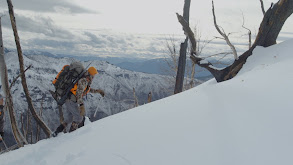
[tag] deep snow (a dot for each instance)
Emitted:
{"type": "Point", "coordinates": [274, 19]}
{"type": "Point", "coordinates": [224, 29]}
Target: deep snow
{"type": "Point", "coordinates": [243, 121]}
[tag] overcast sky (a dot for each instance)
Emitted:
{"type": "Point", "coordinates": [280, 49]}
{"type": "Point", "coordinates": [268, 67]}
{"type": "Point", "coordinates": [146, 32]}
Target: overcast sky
{"type": "Point", "coordinates": [132, 28]}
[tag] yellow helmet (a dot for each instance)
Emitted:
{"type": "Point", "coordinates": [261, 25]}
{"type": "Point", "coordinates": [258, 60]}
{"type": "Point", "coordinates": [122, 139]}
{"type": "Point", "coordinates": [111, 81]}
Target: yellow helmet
{"type": "Point", "coordinates": [92, 71]}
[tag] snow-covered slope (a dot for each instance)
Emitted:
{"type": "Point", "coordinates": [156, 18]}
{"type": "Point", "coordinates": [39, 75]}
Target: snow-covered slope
{"type": "Point", "coordinates": [117, 83]}
{"type": "Point", "coordinates": [243, 121]}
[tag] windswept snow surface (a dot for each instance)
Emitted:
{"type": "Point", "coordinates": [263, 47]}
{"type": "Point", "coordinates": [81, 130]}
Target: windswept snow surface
{"type": "Point", "coordinates": [244, 121]}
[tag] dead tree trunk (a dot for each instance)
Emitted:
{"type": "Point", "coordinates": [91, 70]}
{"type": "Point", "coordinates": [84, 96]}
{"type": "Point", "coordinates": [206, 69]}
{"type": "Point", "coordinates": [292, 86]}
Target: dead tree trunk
{"type": "Point", "coordinates": [45, 128]}
{"type": "Point", "coordinates": [182, 57]}
{"type": "Point", "coordinates": [20, 140]}
{"type": "Point", "coordinates": [181, 67]}
{"type": "Point", "coordinates": [269, 29]}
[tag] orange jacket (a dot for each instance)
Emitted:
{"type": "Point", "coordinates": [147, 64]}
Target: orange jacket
{"type": "Point", "coordinates": [86, 90]}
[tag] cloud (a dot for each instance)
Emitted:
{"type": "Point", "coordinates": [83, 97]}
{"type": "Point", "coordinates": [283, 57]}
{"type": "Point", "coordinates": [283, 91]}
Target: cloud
{"type": "Point", "coordinates": [94, 40]}
{"type": "Point", "coordinates": [50, 6]}
{"type": "Point", "coordinates": [39, 25]}
{"type": "Point", "coordinates": [50, 43]}
{"type": "Point", "coordinates": [106, 40]}
{"type": "Point", "coordinates": [103, 42]}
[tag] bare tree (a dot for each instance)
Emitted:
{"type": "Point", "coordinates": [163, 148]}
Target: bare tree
{"type": "Point", "coordinates": [197, 44]}
{"type": "Point", "coordinates": [15, 79]}
{"type": "Point", "coordinates": [269, 29]}
{"type": "Point", "coordinates": [18, 136]}
{"type": "Point", "coordinates": [173, 55]}
{"type": "Point", "coordinates": [45, 128]}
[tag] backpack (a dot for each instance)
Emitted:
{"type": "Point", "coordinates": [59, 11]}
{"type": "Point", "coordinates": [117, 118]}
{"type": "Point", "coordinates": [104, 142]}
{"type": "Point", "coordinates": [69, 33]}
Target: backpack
{"type": "Point", "coordinates": [66, 79]}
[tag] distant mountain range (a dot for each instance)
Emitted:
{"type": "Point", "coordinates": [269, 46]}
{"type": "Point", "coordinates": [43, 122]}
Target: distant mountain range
{"type": "Point", "coordinates": [152, 66]}
{"type": "Point", "coordinates": [117, 83]}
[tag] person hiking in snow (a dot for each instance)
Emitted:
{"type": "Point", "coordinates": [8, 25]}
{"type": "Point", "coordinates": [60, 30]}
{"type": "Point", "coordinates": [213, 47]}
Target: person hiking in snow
{"type": "Point", "coordinates": [75, 110]}
{"type": "Point", "coordinates": [1, 118]}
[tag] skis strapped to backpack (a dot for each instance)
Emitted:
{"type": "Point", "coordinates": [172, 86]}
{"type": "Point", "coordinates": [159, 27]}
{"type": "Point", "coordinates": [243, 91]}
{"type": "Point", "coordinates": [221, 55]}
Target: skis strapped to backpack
{"type": "Point", "coordinates": [65, 81]}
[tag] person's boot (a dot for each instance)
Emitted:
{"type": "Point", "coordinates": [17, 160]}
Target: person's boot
{"type": "Point", "coordinates": [59, 129]}
{"type": "Point", "coordinates": [74, 126]}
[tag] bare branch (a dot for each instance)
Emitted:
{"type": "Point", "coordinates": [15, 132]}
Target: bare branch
{"type": "Point", "coordinates": [172, 53]}
{"type": "Point", "coordinates": [218, 54]}
{"type": "Point", "coordinates": [220, 38]}
{"type": "Point", "coordinates": [231, 33]}
{"type": "Point", "coordinates": [223, 34]}
{"type": "Point", "coordinates": [205, 43]}
{"type": "Point", "coordinates": [262, 7]}
{"type": "Point", "coordinates": [207, 65]}
{"type": "Point", "coordinates": [14, 80]}
{"type": "Point", "coordinates": [249, 32]}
